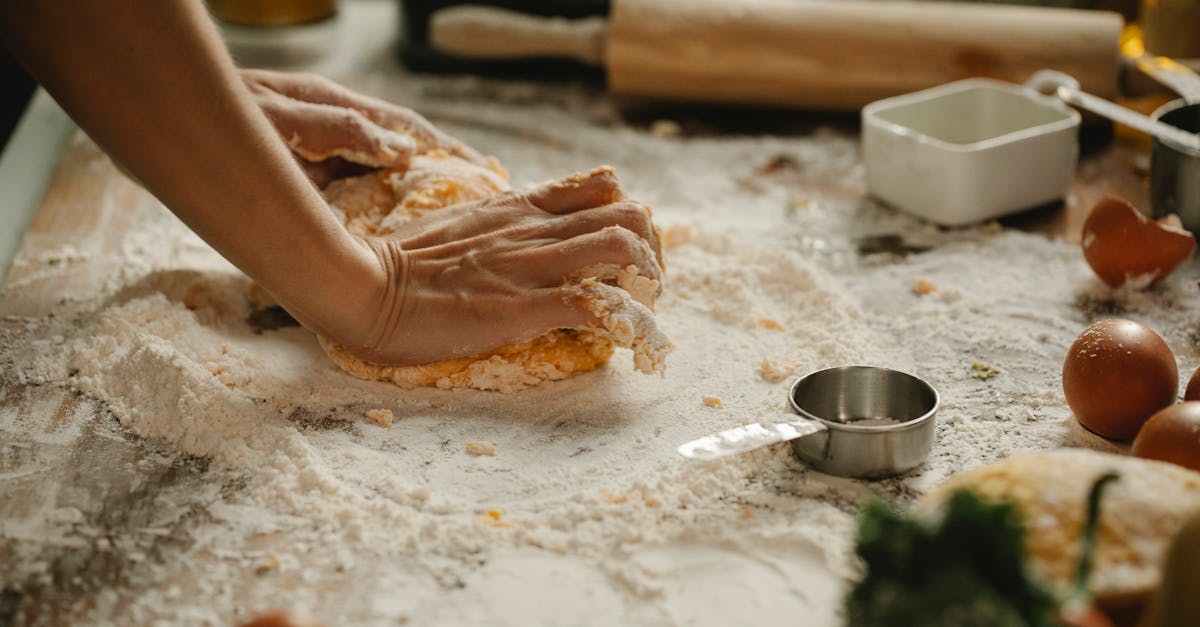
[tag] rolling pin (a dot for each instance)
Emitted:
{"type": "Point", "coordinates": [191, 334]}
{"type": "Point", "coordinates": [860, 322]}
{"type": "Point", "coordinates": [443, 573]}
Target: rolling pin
{"type": "Point", "coordinates": [815, 54]}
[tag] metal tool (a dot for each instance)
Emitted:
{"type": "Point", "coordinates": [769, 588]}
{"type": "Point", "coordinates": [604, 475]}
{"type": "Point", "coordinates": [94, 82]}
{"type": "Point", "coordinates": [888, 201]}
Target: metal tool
{"type": "Point", "coordinates": [1175, 166]}
{"type": "Point", "coordinates": [1175, 127]}
{"type": "Point", "coordinates": [855, 421]}
{"type": "Point", "coordinates": [1067, 89]}
{"type": "Point", "coordinates": [1128, 117]}
{"type": "Point", "coordinates": [1177, 76]}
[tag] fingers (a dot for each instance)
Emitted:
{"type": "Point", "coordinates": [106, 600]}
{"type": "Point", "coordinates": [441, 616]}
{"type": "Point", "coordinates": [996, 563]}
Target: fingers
{"type": "Point", "coordinates": [577, 192]}
{"type": "Point", "coordinates": [592, 201]}
{"type": "Point", "coordinates": [321, 173]}
{"type": "Point", "coordinates": [316, 89]}
{"type": "Point", "coordinates": [318, 132]}
{"type": "Point", "coordinates": [599, 253]}
{"type": "Point", "coordinates": [628, 214]}
{"type": "Point", "coordinates": [551, 309]}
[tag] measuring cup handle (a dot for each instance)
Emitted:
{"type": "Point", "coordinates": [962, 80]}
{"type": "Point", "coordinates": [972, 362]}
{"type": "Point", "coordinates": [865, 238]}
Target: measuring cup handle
{"type": "Point", "coordinates": [776, 428]}
{"type": "Point", "coordinates": [797, 427]}
{"type": "Point", "coordinates": [1047, 82]}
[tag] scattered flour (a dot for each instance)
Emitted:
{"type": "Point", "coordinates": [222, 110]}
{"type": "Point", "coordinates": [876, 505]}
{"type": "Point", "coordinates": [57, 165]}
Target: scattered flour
{"type": "Point", "coordinates": [166, 462]}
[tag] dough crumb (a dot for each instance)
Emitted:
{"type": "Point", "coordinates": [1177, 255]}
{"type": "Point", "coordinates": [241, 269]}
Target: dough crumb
{"type": "Point", "coordinates": [746, 513]}
{"type": "Point", "coordinates": [615, 499]}
{"type": "Point", "coordinates": [282, 619]}
{"type": "Point", "coordinates": [267, 564]}
{"type": "Point", "coordinates": [712, 401]}
{"type": "Point", "coordinates": [626, 322]}
{"type": "Point", "coordinates": [676, 236]}
{"type": "Point", "coordinates": [381, 417]}
{"type": "Point", "coordinates": [776, 370]}
{"type": "Point", "coordinates": [492, 518]}
{"type": "Point", "coordinates": [983, 371]}
{"type": "Point", "coordinates": [768, 323]}
{"type": "Point", "coordinates": [481, 448]}
{"type": "Point", "coordinates": [922, 287]}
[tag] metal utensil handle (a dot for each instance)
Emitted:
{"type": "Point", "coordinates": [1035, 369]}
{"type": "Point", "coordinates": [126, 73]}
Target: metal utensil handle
{"type": "Point", "coordinates": [747, 438]}
{"type": "Point", "coordinates": [1129, 118]}
{"type": "Point", "coordinates": [1173, 74]}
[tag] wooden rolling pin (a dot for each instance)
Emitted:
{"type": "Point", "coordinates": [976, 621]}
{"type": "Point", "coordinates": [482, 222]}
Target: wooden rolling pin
{"type": "Point", "coordinates": [820, 54]}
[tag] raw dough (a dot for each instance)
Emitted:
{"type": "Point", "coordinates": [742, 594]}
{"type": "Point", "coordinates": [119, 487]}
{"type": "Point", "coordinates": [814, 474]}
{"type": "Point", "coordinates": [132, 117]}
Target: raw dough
{"type": "Point", "coordinates": [1139, 514]}
{"type": "Point", "coordinates": [378, 203]}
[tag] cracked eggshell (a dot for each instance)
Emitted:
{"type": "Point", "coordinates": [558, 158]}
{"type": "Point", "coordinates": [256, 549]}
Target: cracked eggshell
{"type": "Point", "coordinates": [1116, 375]}
{"type": "Point", "coordinates": [1122, 245]}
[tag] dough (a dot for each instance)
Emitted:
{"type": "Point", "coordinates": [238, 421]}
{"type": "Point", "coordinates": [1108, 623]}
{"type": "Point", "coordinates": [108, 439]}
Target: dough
{"type": "Point", "coordinates": [1139, 514]}
{"type": "Point", "coordinates": [378, 203]}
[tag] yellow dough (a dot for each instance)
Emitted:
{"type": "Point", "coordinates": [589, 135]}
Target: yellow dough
{"type": "Point", "coordinates": [378, 203]}
{"type": "Point", "coordinates": [1139, 515]}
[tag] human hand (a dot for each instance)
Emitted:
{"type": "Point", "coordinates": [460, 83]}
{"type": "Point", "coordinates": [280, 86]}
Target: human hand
{"type": "Point", "coordinates": [469, 278]}
{"type": "Point", "coordinates": [337, 132]}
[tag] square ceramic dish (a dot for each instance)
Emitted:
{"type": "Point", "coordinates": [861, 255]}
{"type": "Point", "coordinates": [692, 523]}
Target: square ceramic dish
{"type": "Point", "coordinates": [969, 150]}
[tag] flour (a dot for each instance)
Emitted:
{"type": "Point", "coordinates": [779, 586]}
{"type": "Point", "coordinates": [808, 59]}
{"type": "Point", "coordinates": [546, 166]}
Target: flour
{"type": "Point", "coordinates": [166, 462]}
{"type": "Point", "coordinates": [311, 493]}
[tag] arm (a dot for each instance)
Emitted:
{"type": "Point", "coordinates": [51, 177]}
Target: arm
{"type": "Point", "coordinates": [151, 82]}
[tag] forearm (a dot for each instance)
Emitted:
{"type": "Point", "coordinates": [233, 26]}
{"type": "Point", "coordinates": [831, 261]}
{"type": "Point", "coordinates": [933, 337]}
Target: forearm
{"type": "Point", "coordinates": [151, 82]}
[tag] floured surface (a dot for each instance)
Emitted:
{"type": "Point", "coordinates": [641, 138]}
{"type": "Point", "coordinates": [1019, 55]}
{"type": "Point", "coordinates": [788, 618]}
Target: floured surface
{"type": "Point", "coordinates": [164, 460]}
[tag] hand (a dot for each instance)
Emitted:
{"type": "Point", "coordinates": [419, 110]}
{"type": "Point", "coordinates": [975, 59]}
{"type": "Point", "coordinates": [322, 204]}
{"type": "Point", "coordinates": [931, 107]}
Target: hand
{"type": "Point", "coordinates": [472, 277]}
{"type": "Point", "coordinates": [337, 133]}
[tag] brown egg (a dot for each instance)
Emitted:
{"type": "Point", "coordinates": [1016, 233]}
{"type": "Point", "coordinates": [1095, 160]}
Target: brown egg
{"type": "Point", "coordinates": [1172, 435]}
{"type": "Point", "coordinates": [1118, 373]}
{"type": "Point", "coordinates": [1122, 245]}
{"type": "Point", "coordinates": [1192, 391]}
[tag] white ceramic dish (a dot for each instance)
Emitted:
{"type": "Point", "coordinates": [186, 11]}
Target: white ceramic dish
{"type": "Point", "coordinates": [970, 150]}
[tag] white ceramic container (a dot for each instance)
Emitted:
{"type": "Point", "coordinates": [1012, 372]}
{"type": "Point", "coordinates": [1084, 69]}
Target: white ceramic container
{"type": "Point", "coordinates": [970, 150]}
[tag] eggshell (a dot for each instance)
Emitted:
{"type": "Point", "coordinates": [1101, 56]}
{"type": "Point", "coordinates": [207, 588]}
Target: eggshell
{"type": "Point", "coordinates": [1172, 435]}
{"type": "Point", "coordinates": [1192, 391]}
{"type": "Point", "coordinates": [1122, 245]}
{"type": "Point", "coordinates": [1116, 375]}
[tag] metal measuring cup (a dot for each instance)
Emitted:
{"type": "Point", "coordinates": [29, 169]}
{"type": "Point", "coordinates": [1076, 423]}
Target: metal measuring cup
{"type": "Point", "coordinates": [1175, 168]}
{"type": "Point", "coordinates": [855, 421]}
{"type": "Point", "coordinates": [1175, 127]}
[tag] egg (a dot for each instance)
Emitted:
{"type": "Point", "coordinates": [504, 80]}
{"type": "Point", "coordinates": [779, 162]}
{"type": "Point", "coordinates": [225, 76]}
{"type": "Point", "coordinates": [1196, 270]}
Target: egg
{"type": "Point", "coordinates": [1122, 245]}
{"type": "Point", "coordinates": [1192, 391]}
{"type": "Point", "coordinates": [1172, 435]}
{"type": "Point", "coordinates": [1116, 375]}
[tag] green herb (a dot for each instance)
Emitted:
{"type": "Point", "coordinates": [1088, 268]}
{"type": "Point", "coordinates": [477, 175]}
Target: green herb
{"type": "Point", "coordinates": [1079, 600]}
{"type": "Point", "coordinates": [964, 570]}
